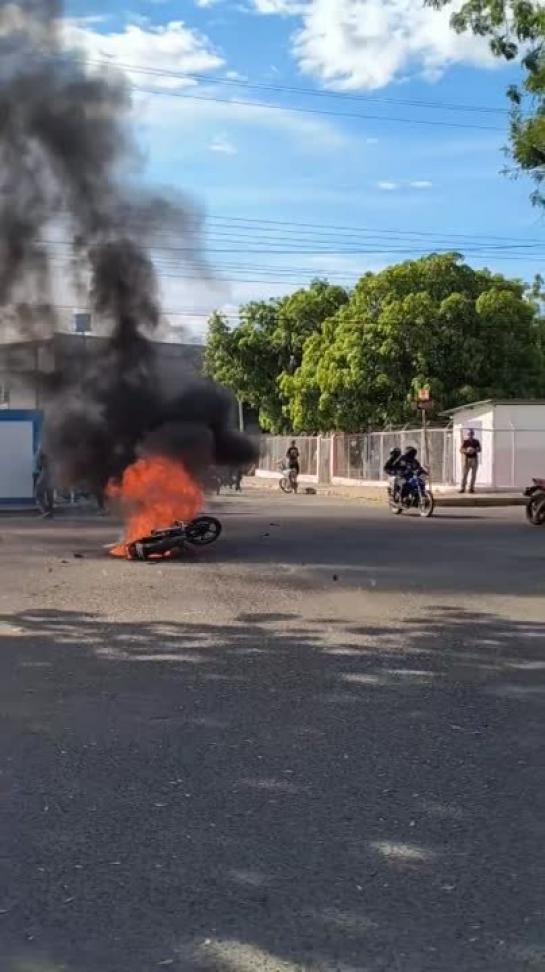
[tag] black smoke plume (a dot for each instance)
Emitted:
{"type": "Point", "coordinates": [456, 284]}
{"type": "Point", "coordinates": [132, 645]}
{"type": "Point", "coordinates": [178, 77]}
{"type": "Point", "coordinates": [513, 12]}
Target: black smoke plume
{"type": "Point", "coordinates": [65, 153]}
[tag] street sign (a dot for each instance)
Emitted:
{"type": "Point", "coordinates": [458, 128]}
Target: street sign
{"type": "Point", "coordinates": [425, 405]}
{"type": "Point", "coordinates": [423, 395]}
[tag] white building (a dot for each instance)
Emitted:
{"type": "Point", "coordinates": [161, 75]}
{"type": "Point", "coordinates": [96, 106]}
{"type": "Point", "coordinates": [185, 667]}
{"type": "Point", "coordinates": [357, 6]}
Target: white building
{"type": "Point", "coordinates": [512, 437]}
{"type": "Point", "coordinates": [19, 438]}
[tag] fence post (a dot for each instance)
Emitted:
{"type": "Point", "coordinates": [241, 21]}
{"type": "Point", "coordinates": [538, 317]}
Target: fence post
{"type": "Point", "coordinates": [513, 453]}
{"type": "Point", "coordinates": [381, 455]}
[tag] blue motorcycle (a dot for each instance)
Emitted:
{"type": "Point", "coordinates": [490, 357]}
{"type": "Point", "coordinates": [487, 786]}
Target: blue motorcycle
{"type": "Point", "coordinates": [411, 494]}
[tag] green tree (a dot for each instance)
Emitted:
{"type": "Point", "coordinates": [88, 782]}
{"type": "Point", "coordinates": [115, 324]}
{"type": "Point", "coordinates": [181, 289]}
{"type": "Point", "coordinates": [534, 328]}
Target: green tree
{"type": "Point", "coordinates": [435, 322]}
{"type": "Point", "coordinates": [516, 29]}
{"type": "Point", "coordinates": [254, 358]}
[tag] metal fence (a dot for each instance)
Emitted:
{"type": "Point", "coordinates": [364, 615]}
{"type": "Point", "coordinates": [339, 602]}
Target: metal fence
{"type": "Point", "coordinates": [508, 460]}
{"type": "Point", "coordinates": [362, 456]}
{"type": "Point", "coordinates": [273, 450]}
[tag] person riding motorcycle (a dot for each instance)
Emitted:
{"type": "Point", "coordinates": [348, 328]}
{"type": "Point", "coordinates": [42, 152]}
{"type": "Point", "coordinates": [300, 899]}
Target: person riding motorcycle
{"type": "Point", "coordinates": [390, 464]}
{"type": "Point", "coordinates": [406, 467]}
{"type": "Point", "coordinates": [390, 470]}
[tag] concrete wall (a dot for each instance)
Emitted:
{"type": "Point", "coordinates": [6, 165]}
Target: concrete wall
{"type": "Point", "coordinates": [26, 366]}
{"type": "Point", "coordinates": [519, 443]}
{"type": "Point", "coordinates": [513, 443]}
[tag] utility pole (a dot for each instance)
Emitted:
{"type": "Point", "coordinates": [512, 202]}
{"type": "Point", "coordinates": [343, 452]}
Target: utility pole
{"type": "Point", "coordinates": [423, 403]}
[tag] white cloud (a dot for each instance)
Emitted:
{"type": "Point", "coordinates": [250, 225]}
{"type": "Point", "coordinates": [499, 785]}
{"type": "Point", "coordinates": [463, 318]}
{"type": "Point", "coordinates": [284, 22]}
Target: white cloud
{"type": "Point", "coordinates": [172, 116]}
{"type": "Point", "coordinates": [171, 47]}
{"type": "Point", "coordinates": [285, 8]}
{"type": "Point", "coordinates": [223, 144]}
{"type": "Point", "coordinates": [174, 47]}
{"type": "Point", "coordinates": [206, 3]}
{"type": "Point", "coordinates": [367, 44]}
{"type": "Point", "coordinates": [388, 186]}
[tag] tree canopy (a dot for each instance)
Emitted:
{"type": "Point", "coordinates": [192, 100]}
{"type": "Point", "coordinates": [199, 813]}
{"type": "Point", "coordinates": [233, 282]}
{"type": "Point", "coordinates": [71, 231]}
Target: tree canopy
{"type": "Point", "coordinates": [516, 29]}
{"type": "Point", "coordinates": [267, 345]}
{"type": "Point", "coordinates": [321, 359]}
{"type": "Point", "coordinates": [432, 323]}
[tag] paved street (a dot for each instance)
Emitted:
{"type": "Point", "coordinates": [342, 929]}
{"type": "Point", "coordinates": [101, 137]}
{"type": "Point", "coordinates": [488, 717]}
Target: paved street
{"type": "Point", "coordinates": [315, 746]}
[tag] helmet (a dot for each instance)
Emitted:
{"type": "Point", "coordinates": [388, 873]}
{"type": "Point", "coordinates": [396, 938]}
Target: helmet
{"type": "Point", "coordinates": [395, 453]}
{"type": "Point", "coordinates": [410, 453]}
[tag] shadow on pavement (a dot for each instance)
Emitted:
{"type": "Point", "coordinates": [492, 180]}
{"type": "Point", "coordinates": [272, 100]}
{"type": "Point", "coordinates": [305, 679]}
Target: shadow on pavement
{"type": "Point", "coordinates": [237, 798]}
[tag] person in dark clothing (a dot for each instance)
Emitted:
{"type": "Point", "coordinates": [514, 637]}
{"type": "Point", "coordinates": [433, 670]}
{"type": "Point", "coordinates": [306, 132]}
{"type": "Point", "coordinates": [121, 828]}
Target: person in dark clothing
{"type": "Point", "coordinates": [391, 462]}
{"type": "Point", "coordinates": [390, 468]}
{"type": "Point", "coordinates": [292, 456]}
{"type": "Point", "coordinates": [408, 465]}
{"type": "Point", "coordinates": [471, 450]}
{"type": "Point", "coordinates": [43, 488]}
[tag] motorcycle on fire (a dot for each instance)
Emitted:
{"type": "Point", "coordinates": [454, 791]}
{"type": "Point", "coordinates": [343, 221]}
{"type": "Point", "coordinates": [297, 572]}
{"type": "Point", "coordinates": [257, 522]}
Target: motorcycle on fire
{"type": "Point", "coordinates": [411, 494]}
{"type": "Point", "coordinates": [170, 542]}
{"type": "Point", "coordinates": [535, 505]}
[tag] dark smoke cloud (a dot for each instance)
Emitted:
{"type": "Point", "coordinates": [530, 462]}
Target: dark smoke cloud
{"type": "Point", "coordinates": [65, 149]}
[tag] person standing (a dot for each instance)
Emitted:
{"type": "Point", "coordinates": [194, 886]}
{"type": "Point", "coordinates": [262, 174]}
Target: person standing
{"type": "Point", "coordinates": [292, 456]}
{"type": "Point", "coordinates": [43, 488]}
{"type": "Point", "coordinates": [471, 450]}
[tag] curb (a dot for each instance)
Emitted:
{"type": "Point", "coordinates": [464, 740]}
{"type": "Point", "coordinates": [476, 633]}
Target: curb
{"type": "Point", "coordinates": [377, 495]}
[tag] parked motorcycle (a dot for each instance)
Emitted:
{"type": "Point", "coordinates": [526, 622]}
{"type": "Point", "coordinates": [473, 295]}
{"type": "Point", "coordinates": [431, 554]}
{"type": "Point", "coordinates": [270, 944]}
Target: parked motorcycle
{"type": "Point", "coordinates": [413, 494]}
{"type": "Point", "coordinates": [535, 506]}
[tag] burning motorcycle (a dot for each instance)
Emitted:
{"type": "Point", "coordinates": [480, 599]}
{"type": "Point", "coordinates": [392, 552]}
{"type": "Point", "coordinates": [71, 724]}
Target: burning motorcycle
{"type": "Point", "coordinates": [170, 542]}
{"type": "Point", "coordinates": [412, 494]}
{"type": "Point", "coordinates": [535, 506]}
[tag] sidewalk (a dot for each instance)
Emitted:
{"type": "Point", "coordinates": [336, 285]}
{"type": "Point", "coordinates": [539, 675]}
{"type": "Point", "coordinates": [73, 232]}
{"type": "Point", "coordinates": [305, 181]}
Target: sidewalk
{"type": "Point", "coordinates": [376, 494]}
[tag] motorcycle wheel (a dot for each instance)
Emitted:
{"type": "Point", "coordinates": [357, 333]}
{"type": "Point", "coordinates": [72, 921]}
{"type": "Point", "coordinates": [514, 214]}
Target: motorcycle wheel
{"type": "Point", "coordinates": [535, 510]}
{"type": "Point", "coordinates": [202, 531]}
{"type": "Point", "coordinates": [395, 508]}
{"type": "Point", "coordinates": [426, 504]}
{"type": "Point", "coordinates": [285, 485]}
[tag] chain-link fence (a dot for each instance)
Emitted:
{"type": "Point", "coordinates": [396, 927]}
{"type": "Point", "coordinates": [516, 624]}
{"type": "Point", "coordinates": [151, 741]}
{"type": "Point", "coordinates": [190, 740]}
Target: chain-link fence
{"type": "Point", "coordinates": [508, 459]}
{"type": "Point", "coordinates": [362, 456]}
{"type": "Point", "coordinates": [273, 449]}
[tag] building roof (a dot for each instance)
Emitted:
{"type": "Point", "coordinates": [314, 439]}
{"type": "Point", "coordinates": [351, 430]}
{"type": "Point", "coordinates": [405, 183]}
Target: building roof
{"type": "Point", "coordinates": [492, 402]}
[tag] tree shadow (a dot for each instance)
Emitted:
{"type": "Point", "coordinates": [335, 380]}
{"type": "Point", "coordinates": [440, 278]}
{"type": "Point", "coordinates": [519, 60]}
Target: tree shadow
{"type": "Point", "coordinates": [236, 797]}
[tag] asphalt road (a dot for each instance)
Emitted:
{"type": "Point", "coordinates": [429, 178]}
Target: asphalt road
{"type": "Point", "coordinates": [315, 746]}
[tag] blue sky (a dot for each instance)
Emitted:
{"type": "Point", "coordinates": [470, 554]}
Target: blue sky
{"type": "Point", "coordinates": [400, 184]}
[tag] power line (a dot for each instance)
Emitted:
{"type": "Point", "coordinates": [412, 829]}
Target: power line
{"type": "Point", "coordinates": [292, 89]}
{"type": "Point", "coordinates": [330, 226]}
{"type": "Point", "coordinates": [275, 247]}
{"type": "Point", "coordinates": [317, 111]}
{"type": "Point", "coordinates": [289, 229]}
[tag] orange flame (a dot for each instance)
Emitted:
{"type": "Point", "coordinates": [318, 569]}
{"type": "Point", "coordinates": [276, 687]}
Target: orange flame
{"type": "Point", "coordinates": [154, 492]}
